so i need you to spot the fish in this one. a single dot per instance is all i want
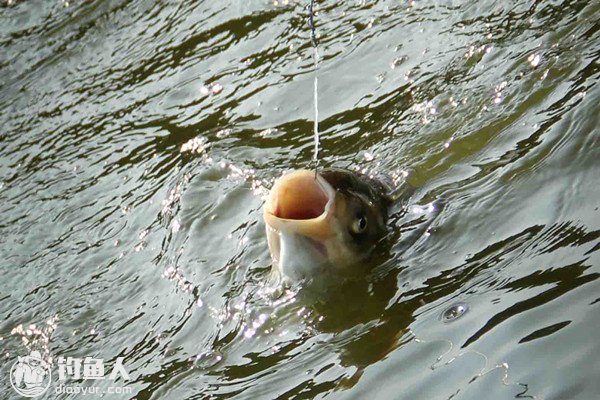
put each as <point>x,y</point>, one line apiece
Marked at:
<point>324,222</point>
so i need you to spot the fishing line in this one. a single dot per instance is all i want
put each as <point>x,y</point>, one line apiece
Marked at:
<point>313,40</point>
<point>486,369</point>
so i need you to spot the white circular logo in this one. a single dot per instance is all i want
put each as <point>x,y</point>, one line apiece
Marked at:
<point>30,375</point>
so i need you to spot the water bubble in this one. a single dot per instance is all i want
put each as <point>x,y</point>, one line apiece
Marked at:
<point>169,273</point>
<point>208,359</point>
<point>140,246</point>
<point>217,88</point>
<point>454,312</point>
<point>534,60</point>
<point>212,88</point>
<point>397,61</point>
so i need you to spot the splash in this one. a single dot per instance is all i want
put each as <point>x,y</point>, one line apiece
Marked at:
<point>198,145</point>
<point>37,337</point>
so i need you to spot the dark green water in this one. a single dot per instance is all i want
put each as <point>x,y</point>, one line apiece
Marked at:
<point>146,247</point>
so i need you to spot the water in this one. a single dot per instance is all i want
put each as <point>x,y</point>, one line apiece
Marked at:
<point>138,139</point>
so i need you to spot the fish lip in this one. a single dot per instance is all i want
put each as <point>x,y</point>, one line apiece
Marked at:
<point>315,188</point>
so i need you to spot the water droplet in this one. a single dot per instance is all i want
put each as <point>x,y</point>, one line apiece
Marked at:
<point>223,133</point>
<point>140,246</point>
<point>454,312</point>
<point>534,60</point>
<point>208,359</point>
<point>217,88</point>
<point>397,61</point>
<point>197,145</point>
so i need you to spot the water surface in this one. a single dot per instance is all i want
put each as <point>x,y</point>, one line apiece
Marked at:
<point>139,138</point>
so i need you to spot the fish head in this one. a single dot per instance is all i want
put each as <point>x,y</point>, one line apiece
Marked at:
<point>323,222</point>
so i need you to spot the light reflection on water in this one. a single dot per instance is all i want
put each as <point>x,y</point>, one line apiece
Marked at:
<point>139,140</point>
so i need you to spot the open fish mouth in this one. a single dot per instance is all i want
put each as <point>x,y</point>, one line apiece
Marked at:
<point>324,224</point>
<point>301,202</point>
<point>299,217</point>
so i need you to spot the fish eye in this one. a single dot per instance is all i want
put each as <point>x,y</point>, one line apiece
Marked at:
<point>359,224</point>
